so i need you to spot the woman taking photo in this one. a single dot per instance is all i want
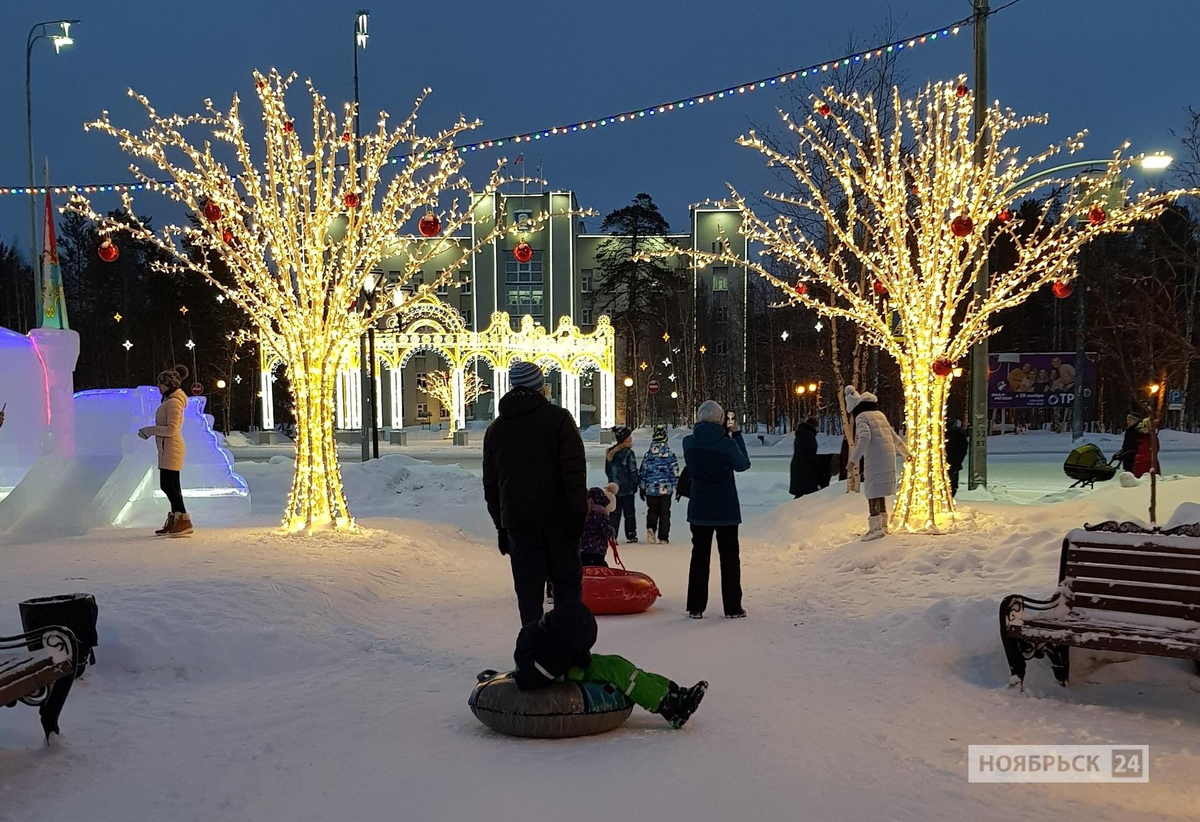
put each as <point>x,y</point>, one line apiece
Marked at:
<point>168,438</point>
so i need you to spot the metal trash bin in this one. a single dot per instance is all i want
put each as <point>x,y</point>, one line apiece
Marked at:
<point>75,611</point>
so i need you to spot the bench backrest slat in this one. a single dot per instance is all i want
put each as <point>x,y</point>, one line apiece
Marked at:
<point>1134,575</point>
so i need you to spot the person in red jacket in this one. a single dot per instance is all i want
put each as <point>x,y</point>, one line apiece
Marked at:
<point>1142,460</point>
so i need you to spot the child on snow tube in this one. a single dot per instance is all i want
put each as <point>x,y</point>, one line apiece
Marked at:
<point>557,648</point>
<point>597,528</point>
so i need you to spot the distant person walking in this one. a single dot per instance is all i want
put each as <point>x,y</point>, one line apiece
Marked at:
<point>659,475</point>
<point>1129,445</point>
<point>877,444</point>
<point>713,453</point>
<point>956,453</point>
<point>168,438</point>
<point>806,472</point>
<point>535,485</point>
<point>620,466</point>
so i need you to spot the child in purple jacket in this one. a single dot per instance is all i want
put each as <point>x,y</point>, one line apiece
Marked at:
<point>597,528</point>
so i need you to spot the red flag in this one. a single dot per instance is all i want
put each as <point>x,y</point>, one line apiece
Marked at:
<point>520,158</point>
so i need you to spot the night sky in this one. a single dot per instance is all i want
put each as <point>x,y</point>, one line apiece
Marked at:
<point>1125,70</point>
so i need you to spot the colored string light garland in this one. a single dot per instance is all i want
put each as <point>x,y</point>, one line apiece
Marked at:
<point>724,93</point>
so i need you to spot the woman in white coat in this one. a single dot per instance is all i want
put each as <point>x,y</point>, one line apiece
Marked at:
<point>168,439</point>
<point>877,444</point>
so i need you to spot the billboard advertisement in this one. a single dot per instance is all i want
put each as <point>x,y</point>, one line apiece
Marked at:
<point>1040,380</point>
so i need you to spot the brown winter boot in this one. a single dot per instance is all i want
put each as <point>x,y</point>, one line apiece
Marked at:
<point>166,529</point>
<point>181,527</point>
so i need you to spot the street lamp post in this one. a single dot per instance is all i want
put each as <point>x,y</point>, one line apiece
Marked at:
<point>38,31</point>
<point>628,389</point>
<point>366,343</point>
<point>977,467</point>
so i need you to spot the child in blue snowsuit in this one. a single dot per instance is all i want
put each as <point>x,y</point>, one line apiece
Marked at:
<point>659,475</point>
<point>620,466</point>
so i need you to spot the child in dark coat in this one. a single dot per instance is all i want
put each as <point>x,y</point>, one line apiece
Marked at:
<point>557,648</point>
<point>597,528</point>
<point>620,466</point>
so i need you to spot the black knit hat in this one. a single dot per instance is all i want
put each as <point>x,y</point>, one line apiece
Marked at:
<point>173,378</point>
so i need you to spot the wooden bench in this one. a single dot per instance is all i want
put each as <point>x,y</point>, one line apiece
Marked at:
<point>1121,588</point>
<point>37,668</point>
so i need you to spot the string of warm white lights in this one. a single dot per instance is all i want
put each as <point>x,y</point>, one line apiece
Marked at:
<point>906,219</point>
<point>298,232</point>
<point>440,386</point>
<point>593,123</point>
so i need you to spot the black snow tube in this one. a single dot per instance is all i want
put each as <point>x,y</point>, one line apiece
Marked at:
<point>558,711</point>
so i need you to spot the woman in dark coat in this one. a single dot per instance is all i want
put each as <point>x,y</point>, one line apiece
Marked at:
<point>805,472</point>
<point>1129,446</point>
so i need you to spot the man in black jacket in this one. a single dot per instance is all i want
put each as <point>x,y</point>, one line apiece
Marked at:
<point>806,467</point>
<point>535,485</point>
<point>957,446</point>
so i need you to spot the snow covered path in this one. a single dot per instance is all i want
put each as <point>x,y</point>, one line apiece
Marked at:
<point>246,676</point>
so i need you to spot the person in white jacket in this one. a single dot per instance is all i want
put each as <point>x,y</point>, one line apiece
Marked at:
<point>877,444</point>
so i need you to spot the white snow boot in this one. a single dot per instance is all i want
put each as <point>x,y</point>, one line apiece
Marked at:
<point>651,537</point>
<point>876,529</point>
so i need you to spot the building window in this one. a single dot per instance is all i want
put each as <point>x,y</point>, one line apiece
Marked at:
<point>720,278</point>
<point>444,288</point>
<point>585,316</point>
<point>530,272</point>
<point>443,412</point>
<point>721,311</point>
<point>525,299</point>
<point>422,381</point>
<point>422,410</point>
<point>467,318</point>
<point>523,219</point>
<point>722,348</point>
<point>585,280</point>
<point>465,277</point>
<point>716,247</point>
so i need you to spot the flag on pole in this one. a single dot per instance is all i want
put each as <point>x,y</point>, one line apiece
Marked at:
<point>54,304</point>
<point>520,158</point>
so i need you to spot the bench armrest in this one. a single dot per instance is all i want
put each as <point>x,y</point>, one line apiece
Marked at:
<point>1014,606</point>
<point>56,639</point>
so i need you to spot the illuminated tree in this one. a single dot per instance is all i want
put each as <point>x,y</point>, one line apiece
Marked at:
<point>301,233</point>
<point>440,386</point>
<point>908,204</point>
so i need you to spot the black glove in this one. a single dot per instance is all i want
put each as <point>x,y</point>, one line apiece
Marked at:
<point>502,540</point>
<point>642,494</point>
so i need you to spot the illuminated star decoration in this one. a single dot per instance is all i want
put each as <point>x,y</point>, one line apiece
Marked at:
<point>666,361</point>
<point>183,310</point>
<point>643,366</point>
<point>913,211</point>
<point>703,349</point>
<point>784,335</point>
<point>238,379</point>
<point>286,233</point>
<point>189,345</point>
<point>819,325</point>
<point>118,316</point>
<point>666,337</point>
<point>671,377</point>
<point>127,345</point>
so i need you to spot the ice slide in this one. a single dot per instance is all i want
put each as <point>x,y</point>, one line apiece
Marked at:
<point>111,478</point>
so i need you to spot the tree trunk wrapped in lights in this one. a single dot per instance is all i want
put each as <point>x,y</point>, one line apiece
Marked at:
<point>440,386</point>
<point>301,234</point>
<point>911,208</point>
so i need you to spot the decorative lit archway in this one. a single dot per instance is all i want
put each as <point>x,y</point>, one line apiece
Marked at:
<point>431,325</point>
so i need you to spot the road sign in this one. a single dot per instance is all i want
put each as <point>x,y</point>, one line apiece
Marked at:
<point>1175,399</point>
<point>653,387</point>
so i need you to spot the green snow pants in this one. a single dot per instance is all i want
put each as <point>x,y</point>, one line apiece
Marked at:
<point>642,687</point>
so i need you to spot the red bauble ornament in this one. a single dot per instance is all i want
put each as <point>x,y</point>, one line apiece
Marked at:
<point>523,252</point>
<point>943,367</point>
<point>289,126</point>
<point>227,236</point>
<point>962,90</point>
<point>879,288</point>
<point>351,200</point>
<point>824,110</point>
<point>1004,216</point>
<point>429,225</point>
<point>962,225</point>
<point>212,211</point>
<point>108,251</point>
<point>1097,216</point>
<point>1062,289</point>
<point>346,137</point>
<point>261,84</point>
<point>801,289</point>
<point>916,191</point>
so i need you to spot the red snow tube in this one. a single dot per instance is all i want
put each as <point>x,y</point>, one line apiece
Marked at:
<point>608,591</point>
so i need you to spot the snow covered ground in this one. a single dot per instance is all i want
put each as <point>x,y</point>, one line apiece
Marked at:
<point>248,676</point>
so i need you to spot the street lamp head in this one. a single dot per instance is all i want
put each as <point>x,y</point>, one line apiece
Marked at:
<point>1154,388</point>
<point>799,390</point>
<point>1156,161</point>
<point>63,39</point>
<point>674,395</point>
<point>629,382</point>
<point>360,28</point>
<point>812,387</point>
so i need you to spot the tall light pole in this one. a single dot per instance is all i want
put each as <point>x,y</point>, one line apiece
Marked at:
<point>977,470</point>
<point>366,343</point>
<point>39,31</point>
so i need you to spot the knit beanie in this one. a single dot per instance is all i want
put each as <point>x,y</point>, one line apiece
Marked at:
<point>620,434</point>
<point>173,378</point>
<point>526,375</point>
<point>660,434</point>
